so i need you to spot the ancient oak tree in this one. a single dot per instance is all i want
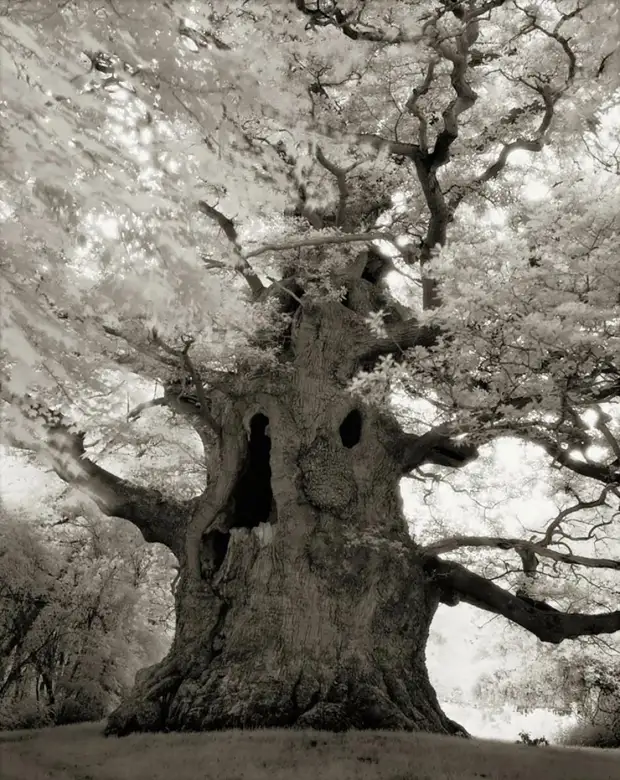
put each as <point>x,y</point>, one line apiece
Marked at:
<point>282,213</point>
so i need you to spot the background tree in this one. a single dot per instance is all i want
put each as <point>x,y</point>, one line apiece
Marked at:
<point>232,227</point>
<point>81,613</point>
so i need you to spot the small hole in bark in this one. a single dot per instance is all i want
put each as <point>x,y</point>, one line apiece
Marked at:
<point>253,498</point>
<point>351,429</point>
<point>375,267</point>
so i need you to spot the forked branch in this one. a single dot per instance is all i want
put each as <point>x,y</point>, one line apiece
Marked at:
<point>202,408</point>
<point>230,231</point>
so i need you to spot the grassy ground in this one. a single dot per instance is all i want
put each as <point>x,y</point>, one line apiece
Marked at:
<point>82,753</point>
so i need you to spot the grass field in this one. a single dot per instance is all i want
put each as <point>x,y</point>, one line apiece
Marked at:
<point>82,753</point>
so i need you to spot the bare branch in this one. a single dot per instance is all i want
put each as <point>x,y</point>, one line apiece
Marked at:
<point>230,231</point>
<point>340,174</point>
<point>608,474</point>
<point>549,625</point>
<point>556,524</point>
<point>399,337</point>
<point>451,543</point>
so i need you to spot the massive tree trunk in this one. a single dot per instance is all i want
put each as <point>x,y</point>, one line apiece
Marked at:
<point>301,600</point>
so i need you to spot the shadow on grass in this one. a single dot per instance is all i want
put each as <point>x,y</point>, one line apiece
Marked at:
<point>81,752</point>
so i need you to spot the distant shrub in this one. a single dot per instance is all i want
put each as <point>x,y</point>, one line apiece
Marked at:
<point>83,707</point>
<point>599,735</point>
<point>27,713</point>
<point>525,739</point>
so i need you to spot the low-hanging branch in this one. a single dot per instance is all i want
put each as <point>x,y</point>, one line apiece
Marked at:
<point>159,519</point>
<point>451,543</point>
<point>456,582</point>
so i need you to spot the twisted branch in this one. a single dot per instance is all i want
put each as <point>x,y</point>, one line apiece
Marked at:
<point>230,231</point>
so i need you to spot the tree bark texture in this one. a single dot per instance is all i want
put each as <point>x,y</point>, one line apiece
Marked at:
<point>301,601</point>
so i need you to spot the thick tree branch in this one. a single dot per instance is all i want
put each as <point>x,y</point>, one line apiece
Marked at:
<point>548,625</point>
<point>343,238</point>
<point>549,96</point>
<point>134,413</point>
<point>340,174</point>
<point>435,446</point>
<point>451,543</point>
<point>464,95</point>
<point>411,106</point>
<point>534,144</point>
<point>427,163</point>
<point>399,337</point>
<point>159,519</point>
<point>608,474</point>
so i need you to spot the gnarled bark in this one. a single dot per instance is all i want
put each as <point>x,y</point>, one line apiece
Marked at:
<point>301,600</point>
<point>309,605</point>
